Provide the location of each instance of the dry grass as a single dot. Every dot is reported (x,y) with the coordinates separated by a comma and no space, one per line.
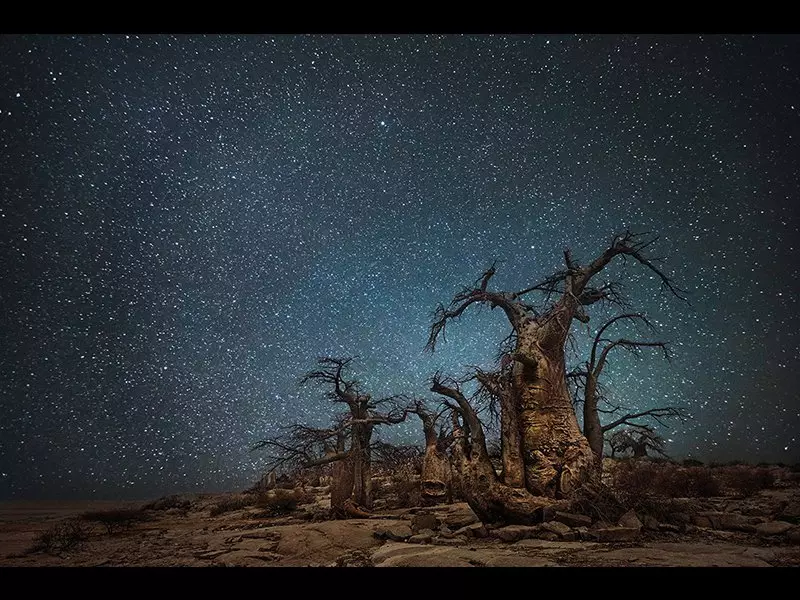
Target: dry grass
(743,480)
(282,501)
(61,537)
(231,503)
(116,520)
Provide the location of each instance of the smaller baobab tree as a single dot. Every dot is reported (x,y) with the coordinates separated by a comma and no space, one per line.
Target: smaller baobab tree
(437,476)
(638,440)
(588,388)
(347,445)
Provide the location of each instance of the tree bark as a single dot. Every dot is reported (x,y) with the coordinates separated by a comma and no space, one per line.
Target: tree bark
(592,428)
(557,457)
(436,477)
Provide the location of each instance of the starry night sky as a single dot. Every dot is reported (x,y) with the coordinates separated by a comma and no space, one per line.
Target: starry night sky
(188,221)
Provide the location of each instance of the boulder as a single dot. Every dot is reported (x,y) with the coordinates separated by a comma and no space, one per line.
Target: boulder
(650,523)
(556,527)
(477,530)
(572,519)
(615,534)
(725,520)
(629,519)
(459,540)
(773,528)
(514,533)
(460,515)
(424,521)
(396,533)
(422,538)
(794,535)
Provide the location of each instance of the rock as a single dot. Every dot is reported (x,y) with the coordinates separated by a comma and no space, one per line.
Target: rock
(725,520)
(459,540)
(460,515)
(702,521)
(421,538)
(669,527)
(794,535)
(572,519)
(210,555)
(546,535)
(791,510)
(556,527)
(773,528)
(583,533)
(629,519)
(679,518)
(513,533)
(397,533)
(430,532)
(354,558)
(615,534)
(445,531)
(545,513)
(571,536)
(650,523)
(477,530)
(424,521)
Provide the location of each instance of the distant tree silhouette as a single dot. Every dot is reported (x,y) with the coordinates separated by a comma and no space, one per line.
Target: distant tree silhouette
(347,444)
(545,455)
(588,391)
(638,440)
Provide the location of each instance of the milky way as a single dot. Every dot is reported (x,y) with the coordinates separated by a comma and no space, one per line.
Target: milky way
(188,221)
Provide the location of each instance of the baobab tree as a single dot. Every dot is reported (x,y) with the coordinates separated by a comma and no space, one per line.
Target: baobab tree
(587,386)
(638,440)
(347,444)
(545,455)
(436,479)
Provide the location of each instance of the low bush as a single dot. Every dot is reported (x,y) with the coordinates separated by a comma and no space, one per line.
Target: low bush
(281,501)
(169,502)
(116,520)
(746,481)
(230,503)
(61,537)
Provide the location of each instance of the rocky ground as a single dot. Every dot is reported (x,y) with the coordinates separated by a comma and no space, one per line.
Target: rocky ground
(759,531)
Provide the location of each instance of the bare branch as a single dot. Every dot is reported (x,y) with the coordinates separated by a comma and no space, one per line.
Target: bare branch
(657,414)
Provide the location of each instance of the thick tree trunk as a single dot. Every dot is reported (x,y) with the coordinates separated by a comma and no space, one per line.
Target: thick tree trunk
(511,442)
(639,450)
(556,455)
(341,485)
(436,477)
(592,428)
(362,472)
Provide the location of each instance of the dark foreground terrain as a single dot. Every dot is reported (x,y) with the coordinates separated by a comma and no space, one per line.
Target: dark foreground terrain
(757,530)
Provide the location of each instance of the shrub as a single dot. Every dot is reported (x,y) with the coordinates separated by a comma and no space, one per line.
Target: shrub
(66,535)
(168,502)
(281,501)
(637,480)
(115,520)
(746,481)
(230,503)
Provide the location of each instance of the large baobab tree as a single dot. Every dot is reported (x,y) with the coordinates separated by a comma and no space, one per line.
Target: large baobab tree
(436,479)
(544,452)
(347,444)
(588,390)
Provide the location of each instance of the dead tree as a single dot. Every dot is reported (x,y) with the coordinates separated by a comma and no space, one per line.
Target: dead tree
(544,452)
(347,445)
(638,440)
(436,479)
(587,382)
